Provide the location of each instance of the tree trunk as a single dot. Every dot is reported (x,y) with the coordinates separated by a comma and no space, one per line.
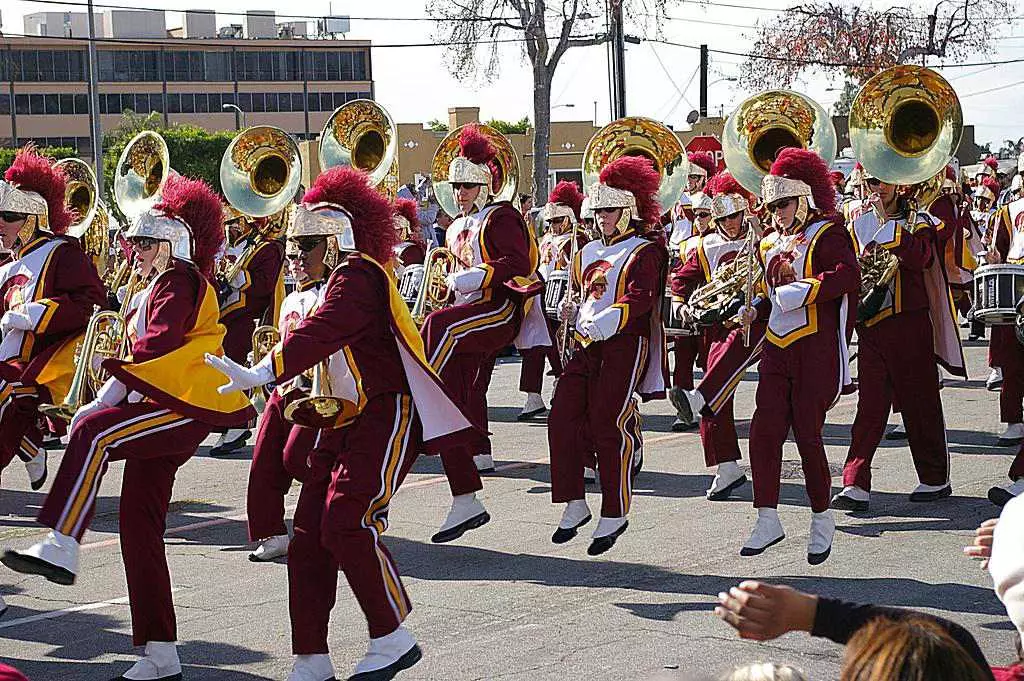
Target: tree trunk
(541,132)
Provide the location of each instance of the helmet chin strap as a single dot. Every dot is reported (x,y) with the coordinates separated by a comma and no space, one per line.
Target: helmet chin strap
(162,261)
(30,227)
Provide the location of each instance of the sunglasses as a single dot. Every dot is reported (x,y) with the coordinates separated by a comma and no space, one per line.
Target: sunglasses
(143,243)
(11,216)
(779,205)
(701,215)
(305,245)
(606,210)
(464,185)
(873,182)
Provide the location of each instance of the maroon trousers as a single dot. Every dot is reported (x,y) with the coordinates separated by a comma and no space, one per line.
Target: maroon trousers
(685,350)
(341,515)
(462,343)
(728,359)
(890,366)
(531,371)
(594,409)
(20,435)
(153,442)
(1007,353)
(279,456)
(796,386)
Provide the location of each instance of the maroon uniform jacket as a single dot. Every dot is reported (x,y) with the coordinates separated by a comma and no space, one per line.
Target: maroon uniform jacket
(254,301)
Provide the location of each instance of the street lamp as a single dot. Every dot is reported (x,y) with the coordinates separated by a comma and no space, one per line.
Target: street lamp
(563,106)
(239,114)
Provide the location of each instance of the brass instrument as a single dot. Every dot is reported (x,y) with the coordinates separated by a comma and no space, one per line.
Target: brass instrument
(505,187)
(434,293)
(764,124)
(639,136)
(714,301)
(321,410)
(264,338)
(140,175)
(749,283)
(362,134)
(91,218)
(260,171)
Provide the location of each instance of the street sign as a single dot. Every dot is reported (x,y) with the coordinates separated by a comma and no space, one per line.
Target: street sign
(710,145)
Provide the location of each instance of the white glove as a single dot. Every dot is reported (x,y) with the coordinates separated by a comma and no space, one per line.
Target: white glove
(679,310)
(747,314)
(112,393)
(464,281)
(85,410)
(15,320)
(591,330)
(240,378)
(567,310)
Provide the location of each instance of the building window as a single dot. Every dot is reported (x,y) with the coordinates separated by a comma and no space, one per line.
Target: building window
(81,104)
(218,66)
(5,105)
(359,66)
(51,104)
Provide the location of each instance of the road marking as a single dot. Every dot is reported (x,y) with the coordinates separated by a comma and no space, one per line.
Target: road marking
(53,614)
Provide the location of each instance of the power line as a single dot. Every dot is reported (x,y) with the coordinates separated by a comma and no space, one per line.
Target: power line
(993,89)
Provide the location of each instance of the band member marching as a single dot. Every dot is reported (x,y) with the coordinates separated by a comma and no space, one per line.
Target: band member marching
(279,455)
(153,413)
(371,363)
(250,294)
(731,351)
(914,304)
(812,276)
(561,214)
(491,241)
(617,326)
(49,289)
(411,247)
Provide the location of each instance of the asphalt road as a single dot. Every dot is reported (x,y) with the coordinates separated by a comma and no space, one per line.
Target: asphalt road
(505,603)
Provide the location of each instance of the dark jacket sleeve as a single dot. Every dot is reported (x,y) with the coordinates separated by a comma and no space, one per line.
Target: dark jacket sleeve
(687,276)
(506,247)
(172,310)
(75,291)
(839,620)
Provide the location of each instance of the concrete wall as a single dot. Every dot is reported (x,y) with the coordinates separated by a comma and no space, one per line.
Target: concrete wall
(120,23)
(51,24)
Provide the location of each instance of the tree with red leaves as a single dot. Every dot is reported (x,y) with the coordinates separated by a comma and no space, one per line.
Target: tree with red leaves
(858,40)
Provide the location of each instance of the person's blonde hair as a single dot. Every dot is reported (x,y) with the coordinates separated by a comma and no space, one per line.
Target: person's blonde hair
(765,671)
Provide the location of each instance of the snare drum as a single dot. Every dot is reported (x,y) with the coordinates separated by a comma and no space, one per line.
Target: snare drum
(997,291)
(673,325)
(410,283)
(556,286)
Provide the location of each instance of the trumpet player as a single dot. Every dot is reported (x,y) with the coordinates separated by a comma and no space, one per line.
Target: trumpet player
(561,216)
(811,276)
(280,451)
(497,253)
(889,368)
(396,404)
(49,290)
(411,247)
(250,294)
(619,351)
(730,350)
(152,413)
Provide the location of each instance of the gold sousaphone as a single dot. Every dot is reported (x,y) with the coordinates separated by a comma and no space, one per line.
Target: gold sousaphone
(362,134)
(140,175)
(260,171)
(91,220)
(764,124)
(505,186)
(639,136)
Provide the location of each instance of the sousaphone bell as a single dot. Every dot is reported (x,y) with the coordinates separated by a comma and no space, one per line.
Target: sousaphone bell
(140,175)
(260,171)
(362,134)
(506,162)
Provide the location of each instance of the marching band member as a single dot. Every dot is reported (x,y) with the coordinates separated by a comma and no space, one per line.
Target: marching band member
(411,248)
(620,339)
(49,289)
(915,304)
(983,210)
(280,452)
(728,356)
(812,278)
(253,296)
(153,413)
(375,362)
(491,241)
(1004,349)
(561,213)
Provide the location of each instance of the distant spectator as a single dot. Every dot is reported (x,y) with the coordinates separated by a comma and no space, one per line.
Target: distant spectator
(908,649)
(764,671)
(441,223)
(525,204)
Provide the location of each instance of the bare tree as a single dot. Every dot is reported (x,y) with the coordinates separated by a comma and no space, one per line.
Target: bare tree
(858,40)
(475,30)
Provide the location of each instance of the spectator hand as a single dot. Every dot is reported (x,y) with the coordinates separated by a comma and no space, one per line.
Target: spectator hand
(981,549)
(761,612)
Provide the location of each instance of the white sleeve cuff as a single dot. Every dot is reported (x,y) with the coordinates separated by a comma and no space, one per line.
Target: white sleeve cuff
(35,312)
(112,393)
(793,295)
(607,321)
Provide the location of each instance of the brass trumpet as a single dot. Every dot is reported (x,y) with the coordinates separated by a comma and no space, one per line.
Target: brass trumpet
(321,410)
(434,293)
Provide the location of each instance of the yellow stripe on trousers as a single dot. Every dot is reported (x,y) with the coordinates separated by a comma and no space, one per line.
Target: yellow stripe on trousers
(629,440)
(456,331)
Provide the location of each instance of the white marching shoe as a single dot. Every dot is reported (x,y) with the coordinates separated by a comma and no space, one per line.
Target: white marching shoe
(36,468)
(160,663)
(270,548)
(728,477)
(388,655)
(995,379)
(467,513)
(484,463)
(534,407)
(218,441)
(589,474)
(605,534)
(767,532)
(312,668)
(233,440)
(1013,434)
(55,558)
(819,544)
(576,515)
(852,498)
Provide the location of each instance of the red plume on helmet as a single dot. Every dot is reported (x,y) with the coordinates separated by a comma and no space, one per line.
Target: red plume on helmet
(33,172)
(950,173)
(475,146)
(196,204)
(858,166)
(992,163)
(568,194)
(992,184)
(809,168)
(407,209)
(725,183)
(371,213)
(636,175)
(704,160)
(838,179)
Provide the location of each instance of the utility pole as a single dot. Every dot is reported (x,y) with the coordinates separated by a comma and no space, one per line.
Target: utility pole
(703,81)
(94,104)
(617,49)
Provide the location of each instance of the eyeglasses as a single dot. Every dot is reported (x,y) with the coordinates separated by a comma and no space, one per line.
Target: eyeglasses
(873,182)
(779,205)
(143,243)
(11,216)
(701,215)
(606,210)
(305,245)
(464,185)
